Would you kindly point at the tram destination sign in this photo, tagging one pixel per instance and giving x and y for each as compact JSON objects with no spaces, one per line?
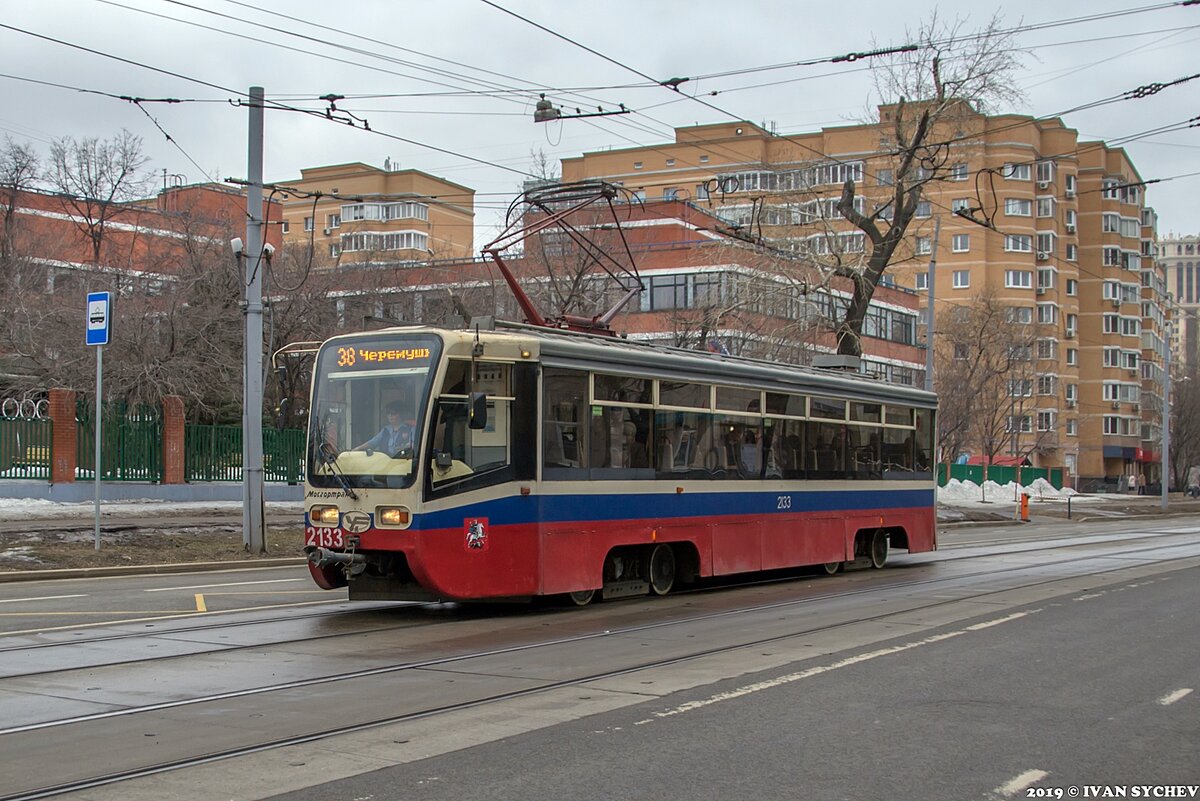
{"x":99,"y":317}
{"x":377,"y":356}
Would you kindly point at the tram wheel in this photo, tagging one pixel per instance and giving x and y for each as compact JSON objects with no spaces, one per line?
{"x":832,"y":568}
{"x":878,"y":548}
{"x":581,"y":598}
{"x":662,"y":569}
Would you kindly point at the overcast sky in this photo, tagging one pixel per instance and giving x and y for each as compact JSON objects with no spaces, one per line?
{"x":417,"y":52}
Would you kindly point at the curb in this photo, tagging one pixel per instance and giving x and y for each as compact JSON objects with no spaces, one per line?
{"x":139,"y":570}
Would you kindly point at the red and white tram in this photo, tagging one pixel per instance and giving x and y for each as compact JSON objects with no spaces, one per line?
{"x":550,"y":463}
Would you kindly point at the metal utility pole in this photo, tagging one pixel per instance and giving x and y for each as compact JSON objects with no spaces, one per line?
{"x":1166,"y":421}
{"x":252,"y":396}
{"x":931,"y":282}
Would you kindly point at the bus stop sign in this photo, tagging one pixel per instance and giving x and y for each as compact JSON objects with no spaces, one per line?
{"x":99,"y":317}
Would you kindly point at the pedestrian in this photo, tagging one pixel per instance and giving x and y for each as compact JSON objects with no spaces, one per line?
{"x":1132,"y":483}
{"x":1141,"y":483}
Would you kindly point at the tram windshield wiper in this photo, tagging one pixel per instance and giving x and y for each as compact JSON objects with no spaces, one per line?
{"x":327,"y":453}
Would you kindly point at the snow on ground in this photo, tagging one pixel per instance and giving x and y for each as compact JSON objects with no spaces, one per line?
{"x":968,"y":493}
{"x":39,"y":509}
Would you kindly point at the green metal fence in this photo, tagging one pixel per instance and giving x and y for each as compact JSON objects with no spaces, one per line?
{"x":214,"y":453}
{"x":131,"y":442}
{"x":25,"y":448}
{"x":1000,"y":474}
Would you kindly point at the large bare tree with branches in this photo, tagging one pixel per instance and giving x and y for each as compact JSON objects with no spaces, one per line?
{"x":929,"y":96}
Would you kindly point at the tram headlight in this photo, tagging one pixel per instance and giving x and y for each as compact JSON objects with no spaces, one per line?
{"x":397,"y":516}
{"x":323,"y":515}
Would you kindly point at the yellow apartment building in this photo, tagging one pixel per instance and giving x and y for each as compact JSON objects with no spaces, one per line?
{"x":1054,"y":228}
{"x":359,"y":214}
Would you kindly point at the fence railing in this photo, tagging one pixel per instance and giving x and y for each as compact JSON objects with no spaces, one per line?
{"x":25,"y":448}
{"x":214,"y":453}
{"x":1001,"y":474}
{"x":131,"y":443}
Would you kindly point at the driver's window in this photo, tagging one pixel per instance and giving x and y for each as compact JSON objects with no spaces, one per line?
{"x":460,"y":452}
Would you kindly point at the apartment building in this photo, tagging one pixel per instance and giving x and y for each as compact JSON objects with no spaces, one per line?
{"x":355,"y":213}
{"x":1051,"y":226}
{"x":1179,"y":255}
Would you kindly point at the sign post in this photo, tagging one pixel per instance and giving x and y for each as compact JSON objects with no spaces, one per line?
{"x":99,"y":324}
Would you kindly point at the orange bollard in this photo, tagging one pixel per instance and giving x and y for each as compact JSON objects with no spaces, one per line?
{"x":1025,"y":507}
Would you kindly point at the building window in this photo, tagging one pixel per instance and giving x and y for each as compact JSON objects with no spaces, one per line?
{"x":1069,"y":185}
{"x":704,"y":159}
{"x":1047,"y":314}
{"x":922,"y":281}
{"x":1016,"y":172}
{"x":1017,"y":207}
{"x":1072,"y":324}
{"x":960,"y":204}
{"x":1020,"y":387}
{"x":962,"y":279}
{"x":924,"y":209}
{"x":1072,"y":428}
{"x":668,"y":292}
{"x":1022,"y":315}
{"x":333,"y":221}
{"x":1018,"y":279}
{"x":670,"y":193}
{"x":1072,"y":357}
{"x":1045,"y":171}
{"x":637,"y":165}
{"x":701,"y":192}
{"x":958,"y":172}
{"x":284,"y":226}
{"x":1020,"y":423}
{"x":1045,"y":207}
{"x":885,"y":177}
{"x":1072,"y":287}
{"x":1047,"y":349}
{"x":1047,"y":385}
{"x":1112,"y":323}
{"x":1072,"y":252}
{"x":960,"y":243}
{"x":1046,"y":243}
{"x":335,"y":250}
{"x":924,"y":246}
{"x":670,"y":162}
{"x":1018,"y":243}
{"x":1045,"y":421}
{"x":308,"y":224}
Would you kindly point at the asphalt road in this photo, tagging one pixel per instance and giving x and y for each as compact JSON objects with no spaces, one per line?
{"x":1013,"y":661}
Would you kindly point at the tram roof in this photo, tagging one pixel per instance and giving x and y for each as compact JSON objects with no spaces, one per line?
{"x":654,"y":360}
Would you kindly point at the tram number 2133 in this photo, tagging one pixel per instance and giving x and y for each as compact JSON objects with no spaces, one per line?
{"x":783,"y":502}
{"x":324,"y":537}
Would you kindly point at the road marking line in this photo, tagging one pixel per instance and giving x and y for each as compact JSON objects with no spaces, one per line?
{"x":1022,"y":782}
{"x":172,"y":614}
{"x":42,"y":598}
{"x":200,"y":607}
{"x":816,"y":671}
{"x":1167,"y":700}
{"x":230,"y":584}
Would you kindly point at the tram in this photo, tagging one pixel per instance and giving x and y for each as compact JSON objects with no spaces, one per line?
{"x":537,"y":462}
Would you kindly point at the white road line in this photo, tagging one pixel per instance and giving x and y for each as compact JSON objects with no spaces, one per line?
{"x":43,"y":598}
{"x":230,"y":584}
{"x":816,"y":671}
{"x":1022,"y":782}
{"x":1167,"y":700}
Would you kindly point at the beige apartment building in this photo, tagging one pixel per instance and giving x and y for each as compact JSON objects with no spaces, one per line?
{"x":359,"y":214}
{"x":1066,"y":243}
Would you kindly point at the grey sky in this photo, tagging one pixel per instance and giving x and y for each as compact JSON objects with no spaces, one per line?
{"x":659,"y":38}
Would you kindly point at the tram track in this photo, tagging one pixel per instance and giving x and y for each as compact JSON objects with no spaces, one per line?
{"x":548,"y":686}
{"x":707,"y":587}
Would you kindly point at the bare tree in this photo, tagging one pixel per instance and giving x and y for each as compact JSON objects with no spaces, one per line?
{"x":19,"y":170}
{"x":932,"y":95}
{"x":1185,"y":428}
{"x":94,"y":178}
{"x":986,"y":380}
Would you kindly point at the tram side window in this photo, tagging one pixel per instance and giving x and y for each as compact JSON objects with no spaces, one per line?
{"x":739,"y":452}
{"x":619,"y":440}
{"x":827,"y":450}
{"x":783,"y":444}
{"x":923,"y":456}
{"x":866,"y":451}
{"x":564,"y":427}
{"x":466,"y":458}
{"x":683,"y":441}
{"x":898,"y":452}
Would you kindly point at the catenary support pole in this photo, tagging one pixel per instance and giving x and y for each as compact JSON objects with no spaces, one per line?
{"x":931,"y":282}
{"x":252,"y":456}
{"x":1166,"y":422}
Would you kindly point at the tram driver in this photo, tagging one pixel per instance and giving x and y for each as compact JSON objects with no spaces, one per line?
{"x":396,"y":434}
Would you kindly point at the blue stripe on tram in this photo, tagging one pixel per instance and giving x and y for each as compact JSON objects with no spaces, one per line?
{"x":660,"y":506}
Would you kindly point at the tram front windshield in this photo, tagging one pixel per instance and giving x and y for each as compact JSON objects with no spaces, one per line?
{"x":369,"y":404}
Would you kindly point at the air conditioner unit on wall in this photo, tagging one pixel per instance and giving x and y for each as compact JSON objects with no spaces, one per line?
{"x":1041,"y":290}
{"x":1042,"y":255}
{"x":1116,"y":303}
{"x":327,"y":231}
{"x":1116,"y":404}
{"x":1069,"y":193}
{"x":1043,"y":184}
{"x":1070,"y":404}
{"x":1070,"y":229}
